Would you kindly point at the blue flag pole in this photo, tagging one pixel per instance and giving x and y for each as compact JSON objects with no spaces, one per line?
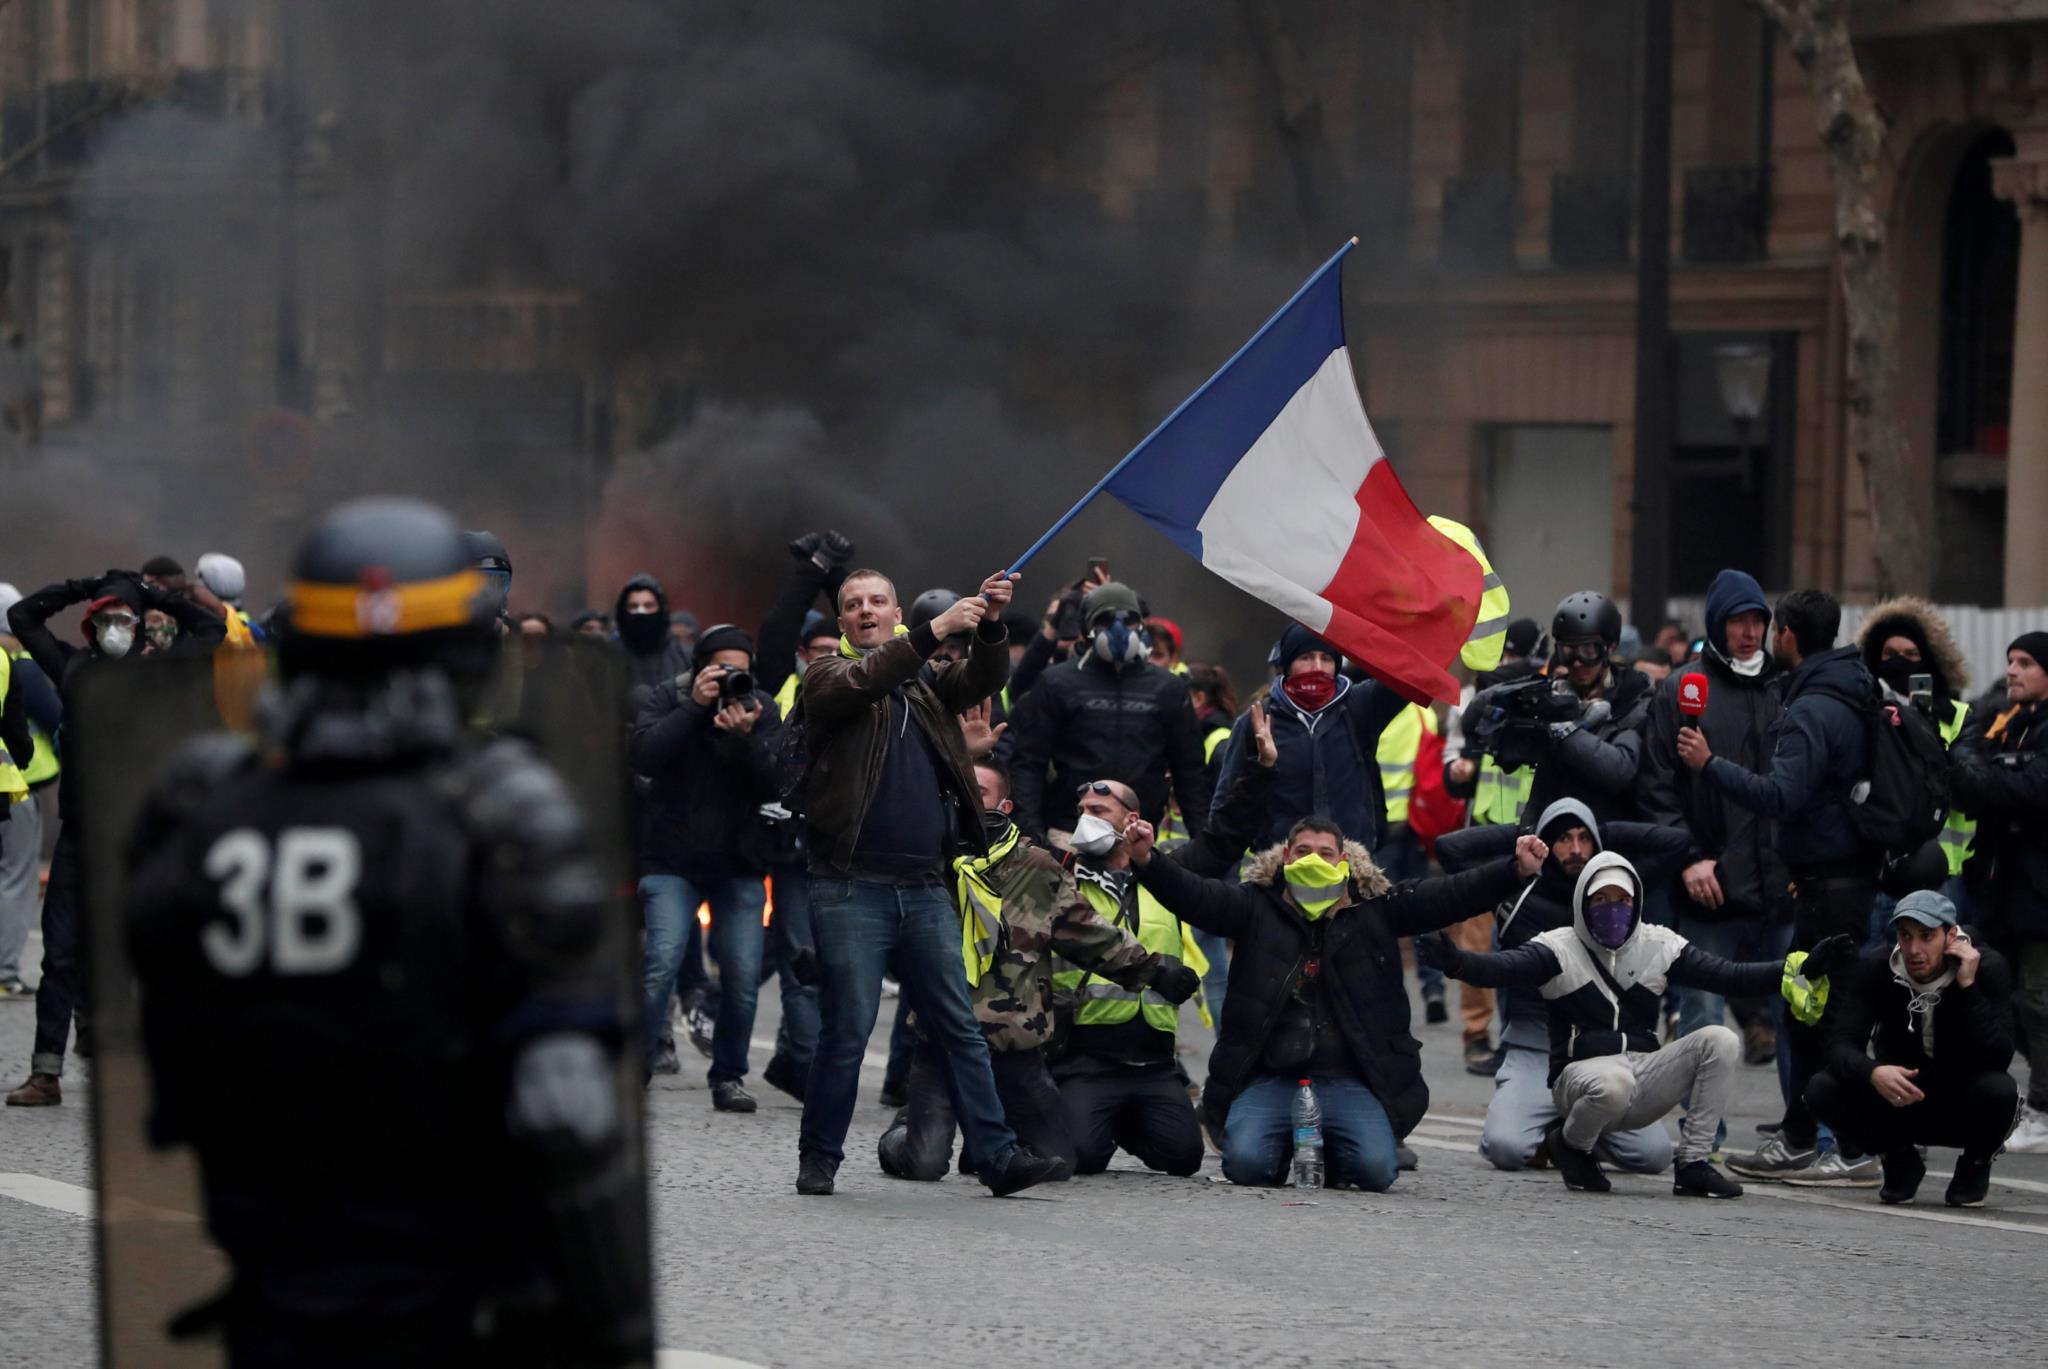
{"x":1134,"y":453}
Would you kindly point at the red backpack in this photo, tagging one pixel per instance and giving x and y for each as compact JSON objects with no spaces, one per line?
{"x":1432,"y":811}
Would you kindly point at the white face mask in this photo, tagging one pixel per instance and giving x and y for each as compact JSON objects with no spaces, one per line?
{"x":116,"y":638}
{"x":1749,"y":667}
{"x":1093,"y":836}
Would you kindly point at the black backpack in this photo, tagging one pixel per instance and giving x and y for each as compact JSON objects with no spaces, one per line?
{"x":1902,"y":802}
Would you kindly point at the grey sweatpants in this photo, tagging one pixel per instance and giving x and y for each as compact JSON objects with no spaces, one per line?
{"x":1522,"y":1106}
{"x":1623,"y":1092}
{"x":21,"y":855}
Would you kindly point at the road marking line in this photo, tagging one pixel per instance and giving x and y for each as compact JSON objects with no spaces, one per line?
{"x":698,"y":1359}
{"x":1451,"y":1120}
{"x":58,"y":1197}
{"x":1878,"y":1209}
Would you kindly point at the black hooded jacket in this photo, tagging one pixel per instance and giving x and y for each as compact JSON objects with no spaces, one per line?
{"x":1871,"y":1022}
{"x":647,"y":666}
{"x":1741,"y":711}
{"x":1818,"y":753}
{"x":705,"y":786}
{"x":1088,"y":721}
{"x":2000,"y":774}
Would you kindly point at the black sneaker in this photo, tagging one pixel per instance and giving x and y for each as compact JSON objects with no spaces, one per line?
{"x":1580,"y":1170}
{"x":665,"y":1061}
{"x":1903,"y":1170}
{"x":1434,"y":1012}
{"x":1481,"y":1058}
{"x":1971,"y":1182}
{"x":703,"y":1028}
{"x":728,"y":1096}
{"x":786,"y":1074}
{"x":895,"y":1093}
{"x":1699,"y":1179}
{"x":1022,"y":1170}
{"x":1405,"y":1158}
{"x":814,"y":1175}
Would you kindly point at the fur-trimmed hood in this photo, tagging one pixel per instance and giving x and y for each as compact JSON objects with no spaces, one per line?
{"x":1367,"y":879}
{"x":1920,"y":620}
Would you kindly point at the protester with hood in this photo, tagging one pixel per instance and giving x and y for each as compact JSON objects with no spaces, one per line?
{"x":1904,"y":637}
{"x":1604,"y":979}
{"x":889,"y":801}
{"x":1328,"y":731}
{"x":708,"y":751}
{"x":1818,"y":755}
{"x":2001,"y":775}
{"x":1920,"y":1045}
{"x":652,"y":654}
{"x":111,"y":623}
{"x":1522,"y":1107}
{"x":1734,"y":898}
{"x":1107,"y":714}
{"x":1316,"y":992}
{"x":1026,"y":910}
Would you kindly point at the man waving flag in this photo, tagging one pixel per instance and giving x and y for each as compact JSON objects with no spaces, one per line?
{"x":1270,"y":476}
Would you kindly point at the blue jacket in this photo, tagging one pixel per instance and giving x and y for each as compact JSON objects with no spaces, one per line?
{"x":1329,"y":762}
{"x":1817,"y":756}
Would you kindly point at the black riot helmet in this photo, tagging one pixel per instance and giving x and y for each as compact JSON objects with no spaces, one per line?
{"x":1586,"y":615}
{"x":382,"y":585}
{"x":930,"y":605}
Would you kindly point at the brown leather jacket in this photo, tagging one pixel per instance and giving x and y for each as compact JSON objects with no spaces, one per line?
{"x":846,"y":712}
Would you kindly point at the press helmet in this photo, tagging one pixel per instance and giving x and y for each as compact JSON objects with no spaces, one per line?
{"x":1586,"y":614}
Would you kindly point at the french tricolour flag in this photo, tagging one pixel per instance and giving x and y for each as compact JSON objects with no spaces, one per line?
{"x":1270,"y":476}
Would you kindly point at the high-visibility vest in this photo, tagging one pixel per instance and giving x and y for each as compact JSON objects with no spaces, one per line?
{"x":1100,"y":1003}
{"x":1959,"y":832}
{"x":1489,"y":637}
{"x":13,"y":784}
{"x":1499,"y":797}
{"x":1174,"y":831}
{"x":44,"y":766}
{"x":785,"y":697}
{"x":1398,"y":745}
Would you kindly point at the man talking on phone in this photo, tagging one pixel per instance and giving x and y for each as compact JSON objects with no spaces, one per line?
{"x":1921,"y":1038}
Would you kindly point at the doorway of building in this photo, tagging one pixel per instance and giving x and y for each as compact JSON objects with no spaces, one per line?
{"x":1550,"y":512}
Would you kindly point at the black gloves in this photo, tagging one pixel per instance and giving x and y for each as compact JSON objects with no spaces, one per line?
{"x":832,"y":548}
{"x":1831,"y":955}
{"x":1436,"y":951}
{"x":838,"y":548}
{"x":1175,"y":982}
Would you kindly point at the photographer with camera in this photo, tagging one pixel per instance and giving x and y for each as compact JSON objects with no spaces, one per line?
{"x":706,"y":741}
{"x":1735,"y":901}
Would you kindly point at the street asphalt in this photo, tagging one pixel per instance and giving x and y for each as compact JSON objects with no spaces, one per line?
{"x":1459,"y":1265}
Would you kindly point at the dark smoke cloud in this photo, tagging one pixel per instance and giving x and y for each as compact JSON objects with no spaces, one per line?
{"x":853,"y":256}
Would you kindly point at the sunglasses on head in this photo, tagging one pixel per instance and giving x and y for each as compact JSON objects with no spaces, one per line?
{"x":1102,"y":787}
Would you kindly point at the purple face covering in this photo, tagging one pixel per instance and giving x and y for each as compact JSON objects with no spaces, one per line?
{"x":1610,"y":922}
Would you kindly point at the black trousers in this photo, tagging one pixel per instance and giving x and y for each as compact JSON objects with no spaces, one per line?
{"x":1144,"y":1109}
{"x":1822,"y":908}
{"x":919,"y":1143}
{"x":1973,"y":1114}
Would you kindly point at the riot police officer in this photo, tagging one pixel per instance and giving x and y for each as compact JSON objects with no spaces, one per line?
{"x":394,"y":930}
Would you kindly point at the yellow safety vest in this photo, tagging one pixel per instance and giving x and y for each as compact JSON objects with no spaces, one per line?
{"x":1482,"y":650}
{"x":1959,"y":833}
{"x":1103,"y":1004}
{"x":981,"y":908}
{"x":1499,"y":797}
{"x":43,"y":767}
{"x":1398,"y":746}
{"x":785,"y":697}
{"x":13,"y":784}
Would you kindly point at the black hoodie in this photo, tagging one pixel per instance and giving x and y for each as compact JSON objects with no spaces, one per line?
{"x":648,"y":664}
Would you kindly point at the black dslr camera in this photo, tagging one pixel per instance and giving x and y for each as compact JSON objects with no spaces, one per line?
{"x":735,"y":686}
{"x":1511,"y":722}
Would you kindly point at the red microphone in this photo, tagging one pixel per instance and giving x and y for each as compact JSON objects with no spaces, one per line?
{"x":1692,"y":695}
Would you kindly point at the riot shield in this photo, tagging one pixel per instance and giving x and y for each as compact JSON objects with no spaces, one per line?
{"x":159,"y":1270}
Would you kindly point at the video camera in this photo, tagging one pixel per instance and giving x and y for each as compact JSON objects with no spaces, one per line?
{"x":1511,"y":722}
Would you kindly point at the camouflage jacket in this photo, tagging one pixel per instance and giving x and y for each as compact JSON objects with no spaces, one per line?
{"x":1046,"y":916}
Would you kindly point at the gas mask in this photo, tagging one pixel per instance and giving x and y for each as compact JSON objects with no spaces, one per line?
{"x":116,"y":635}
{"x":1118,"y":642}
{"x":1093,"y":836}
{"x":1610,"y":923}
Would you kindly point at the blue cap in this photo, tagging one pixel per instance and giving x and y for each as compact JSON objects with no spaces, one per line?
{"x":1927,"y":908}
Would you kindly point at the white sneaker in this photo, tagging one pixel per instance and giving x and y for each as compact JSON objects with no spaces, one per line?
{"x":2030,"y":1137}
{"x":890,"y":988}
{"x":1832,"y":1171}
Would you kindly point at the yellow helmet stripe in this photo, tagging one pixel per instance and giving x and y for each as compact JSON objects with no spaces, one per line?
{"x":353,"y":611}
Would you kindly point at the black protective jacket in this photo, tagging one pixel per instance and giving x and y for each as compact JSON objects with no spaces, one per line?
{"x":705,"y":787}
{"x":1872,"y":1021}
{"x":445,"y":917}
{"x":1596,"y":763}
{"x":1999,"y":772}
{"x":1741,"y":713}
{"x":1089,"y":722}
{"x":1360,"y":964}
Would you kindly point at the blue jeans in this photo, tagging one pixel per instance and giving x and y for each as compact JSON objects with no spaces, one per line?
{"x":1731,"y":938}
{"x":669,"y":906}
{"x":797,"y":1038}
{"x":1358,"y":1140}
{"x":860,"y":926}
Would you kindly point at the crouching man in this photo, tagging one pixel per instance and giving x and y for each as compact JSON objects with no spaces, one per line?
{"x":1921,"y":1037}
{"x":1604,"y":977}
{"x":1021,"y":906}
